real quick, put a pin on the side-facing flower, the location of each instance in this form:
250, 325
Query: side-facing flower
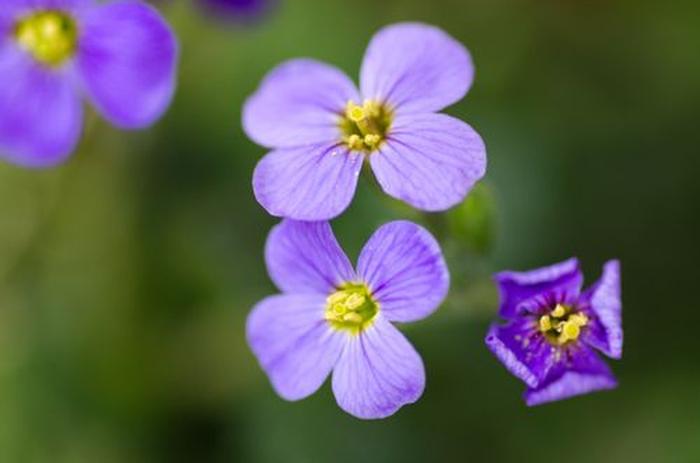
121, 56
554, 330
331, 317
321, 129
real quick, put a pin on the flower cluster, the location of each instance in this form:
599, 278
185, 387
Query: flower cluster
321, 130
121, 56
330, 319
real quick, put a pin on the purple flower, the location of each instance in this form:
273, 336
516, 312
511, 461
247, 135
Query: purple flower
237, 9
331, 317
121, 56
554, 330
321, 128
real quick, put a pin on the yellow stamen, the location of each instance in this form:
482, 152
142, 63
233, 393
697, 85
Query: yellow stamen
371, 108
372, 140
560, 328
354, 112
352, 317
570, 331
336, 297
365, 126
351, 308
355, 142
49, 36
354, 301
545, 323
559, 311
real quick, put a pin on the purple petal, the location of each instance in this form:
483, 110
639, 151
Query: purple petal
583, 373
127, 58
305, 257
604, 301
9, 13
563, 280
416, 68
406, 273
13, 10
298, 103
71, 5
40, 112
430, 161
295, 346
378, 373
522, 349
307, 183
29, 5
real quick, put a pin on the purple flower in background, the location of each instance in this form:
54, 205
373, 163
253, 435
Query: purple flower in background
121, 56
237, 9
331, 317
554, 330
321, 128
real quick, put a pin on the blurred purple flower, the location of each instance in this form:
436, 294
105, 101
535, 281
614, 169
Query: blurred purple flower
330, 317
554, 330
234, 10
321, 128
237, 9
121, 56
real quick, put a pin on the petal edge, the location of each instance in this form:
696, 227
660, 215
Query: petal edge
416, 68
378, 373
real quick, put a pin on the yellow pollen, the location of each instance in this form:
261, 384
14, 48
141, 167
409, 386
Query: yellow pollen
545, 323
560, 326
364, 127
336, 297
355, 113
51, 37
569, 332
352, 317
354, 301
351, 308
355, 142
372, 140
559, 311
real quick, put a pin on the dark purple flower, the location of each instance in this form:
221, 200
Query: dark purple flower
554, 330
331, 317
121, 56
321, 128
237, 9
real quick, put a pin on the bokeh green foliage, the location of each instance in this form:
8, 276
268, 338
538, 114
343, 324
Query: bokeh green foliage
126, 275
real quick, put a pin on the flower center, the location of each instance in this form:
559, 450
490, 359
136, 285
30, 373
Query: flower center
364, 127
562, 325
49, 36
351, 308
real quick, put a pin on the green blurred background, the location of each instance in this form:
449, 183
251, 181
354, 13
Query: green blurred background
126, 275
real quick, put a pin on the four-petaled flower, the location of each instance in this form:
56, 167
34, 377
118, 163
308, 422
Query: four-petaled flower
554, 329
321, 128
330, 317
121, 55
